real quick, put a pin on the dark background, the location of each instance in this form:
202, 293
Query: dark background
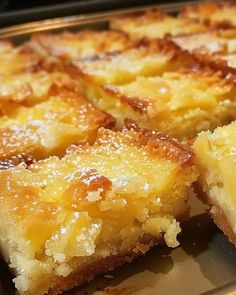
9, 5
16, 4
15, 11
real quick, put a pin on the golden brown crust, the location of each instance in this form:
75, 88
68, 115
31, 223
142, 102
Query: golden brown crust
216, 213
206, 8
215, 73
210, 49
146, 47
93, 115
215, 63
65, 105
69, 46
139, 105
177, 56
33, 60
31, 88
158, 142
102, 266
169, 25
203, 13
26, 50
80, 277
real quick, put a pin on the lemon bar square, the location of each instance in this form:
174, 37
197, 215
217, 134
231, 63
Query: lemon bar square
145, 58
68, 46
153, 23
30, 88
49, 127
181, 103
66, 220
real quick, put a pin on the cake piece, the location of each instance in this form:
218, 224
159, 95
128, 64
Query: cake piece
214, 41
181, 103
49, 127
216, 162
70, 46
153, 23
30, 88
217, 46
66, 220
220, 14
147, 58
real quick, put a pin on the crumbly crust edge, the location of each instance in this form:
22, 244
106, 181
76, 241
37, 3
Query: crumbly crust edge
216, 213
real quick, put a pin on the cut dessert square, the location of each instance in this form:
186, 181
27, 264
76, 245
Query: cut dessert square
30, 88
71, 46
153, 23
218, 46
47, 128
214, 41
180, 103
220, 15
66, 220
147, 58
216, 162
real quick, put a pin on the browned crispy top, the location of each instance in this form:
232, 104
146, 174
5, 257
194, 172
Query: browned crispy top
70, 46
160, 143
155, 143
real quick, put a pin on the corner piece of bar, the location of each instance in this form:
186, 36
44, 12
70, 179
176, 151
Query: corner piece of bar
152, 23
75, 204
214, 15
216, 162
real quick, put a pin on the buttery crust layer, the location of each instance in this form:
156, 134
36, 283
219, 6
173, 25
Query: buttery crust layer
216, 213
94, 269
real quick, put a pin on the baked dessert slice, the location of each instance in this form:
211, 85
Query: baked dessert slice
221, 14
215, 159
181, 103
49, 127
216, 41
27, 88
147, 58
69, 46
216, 46
153, 23
94, 209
